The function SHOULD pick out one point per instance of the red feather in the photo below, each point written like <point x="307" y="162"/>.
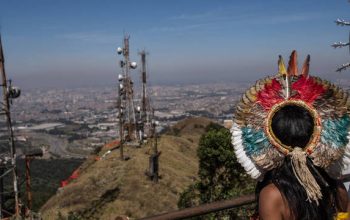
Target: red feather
<point x="270" y="95"/>
<point x="308" y="89"/>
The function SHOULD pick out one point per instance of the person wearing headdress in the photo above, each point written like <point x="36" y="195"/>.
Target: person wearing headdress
<point x="291" y="133"/>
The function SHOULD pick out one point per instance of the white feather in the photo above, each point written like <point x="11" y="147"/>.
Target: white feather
<point x="256" y="174"/>
<point x="238" y="151"/>
<point x="237" y="142"/>
<point x="236" y="132"/>
<point x="242" y="157"/>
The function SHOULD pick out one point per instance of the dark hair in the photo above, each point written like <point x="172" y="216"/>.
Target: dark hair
<point x="293" y="126"/>
<point x="286" y="182"/>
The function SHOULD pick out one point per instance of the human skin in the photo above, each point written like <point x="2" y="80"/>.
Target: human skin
<point x="273" y="206"/>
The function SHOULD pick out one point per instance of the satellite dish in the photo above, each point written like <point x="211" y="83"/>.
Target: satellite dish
<point x="138" y="108"/>
<point x="133" y="65"/>
<point x="120" y="77"/>
<point x="121" y="86"/>
<point x="14" y="92"/>
<point x="119" y="50"/>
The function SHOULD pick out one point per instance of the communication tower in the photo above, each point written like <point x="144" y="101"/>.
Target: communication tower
<point x="9" y="196"/>
<point x="126" y="107"/>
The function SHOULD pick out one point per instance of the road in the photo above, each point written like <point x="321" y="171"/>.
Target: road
<point x="57" y="145"/>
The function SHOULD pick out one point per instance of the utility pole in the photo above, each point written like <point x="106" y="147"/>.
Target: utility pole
<point x="8" y="153"/>
<point x="126" y="107"/>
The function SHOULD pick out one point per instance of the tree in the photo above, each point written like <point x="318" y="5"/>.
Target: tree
<point x="221" y="176"/>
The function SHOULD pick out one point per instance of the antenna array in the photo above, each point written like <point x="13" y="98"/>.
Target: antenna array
<point x="340" y="44"/>
<point x="135" y="124"/>
<point x="126" y="107"/>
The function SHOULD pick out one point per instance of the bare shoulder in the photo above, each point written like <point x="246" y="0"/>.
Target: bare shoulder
<point x="271" y="204"/>
<point x="271" y="191"/>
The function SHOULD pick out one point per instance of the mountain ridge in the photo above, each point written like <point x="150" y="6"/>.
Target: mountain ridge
<point x="110" y="187"/>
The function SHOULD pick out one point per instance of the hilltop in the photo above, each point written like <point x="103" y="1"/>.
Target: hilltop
<point x="111" y="187"/>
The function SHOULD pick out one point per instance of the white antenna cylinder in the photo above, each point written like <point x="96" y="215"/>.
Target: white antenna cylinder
<point x="133" y="65"/>
<point x="119" y="50"/>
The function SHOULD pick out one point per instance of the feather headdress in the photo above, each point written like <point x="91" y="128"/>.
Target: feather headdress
<point x="256" y="147"/>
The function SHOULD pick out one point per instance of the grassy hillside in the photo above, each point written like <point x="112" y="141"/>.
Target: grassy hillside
<point x="111" y="187"/>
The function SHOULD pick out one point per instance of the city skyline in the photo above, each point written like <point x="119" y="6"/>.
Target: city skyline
<point x="73" y="43"/>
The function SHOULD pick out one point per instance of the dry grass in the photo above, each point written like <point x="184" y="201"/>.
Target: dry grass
<point x="112" y="187"/>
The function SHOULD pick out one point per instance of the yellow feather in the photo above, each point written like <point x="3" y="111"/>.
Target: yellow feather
<point x="281" y="67"/>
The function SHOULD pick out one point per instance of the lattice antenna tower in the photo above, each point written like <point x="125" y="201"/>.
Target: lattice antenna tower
<point x="340" y="44"/>
<point x="9" y="196"/>
<point x="126" y="107"/>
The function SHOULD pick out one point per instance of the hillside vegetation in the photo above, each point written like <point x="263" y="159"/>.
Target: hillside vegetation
<point x="110" y="187"/>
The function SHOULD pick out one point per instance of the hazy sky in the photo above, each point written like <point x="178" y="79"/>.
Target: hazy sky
<point x="73" y="43"/>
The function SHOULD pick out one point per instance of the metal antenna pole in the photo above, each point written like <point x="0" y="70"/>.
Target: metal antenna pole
<point x="156" y="153"/>
<point x="28" y="183"/>
<point x="146" y="108"/>
<point x="6" y="106"/>
<point x="144" y="78"/>
<point x="143" y="113"/>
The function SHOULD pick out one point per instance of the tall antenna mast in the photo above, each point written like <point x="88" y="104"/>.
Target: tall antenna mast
<point x="146" y="110"/>
<point x="144" y="79"/>
<point x="126" y="107"/>
<point x="143" y="113"/>
<point x="149" y="124"/>
<point x="8" y="152"/>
